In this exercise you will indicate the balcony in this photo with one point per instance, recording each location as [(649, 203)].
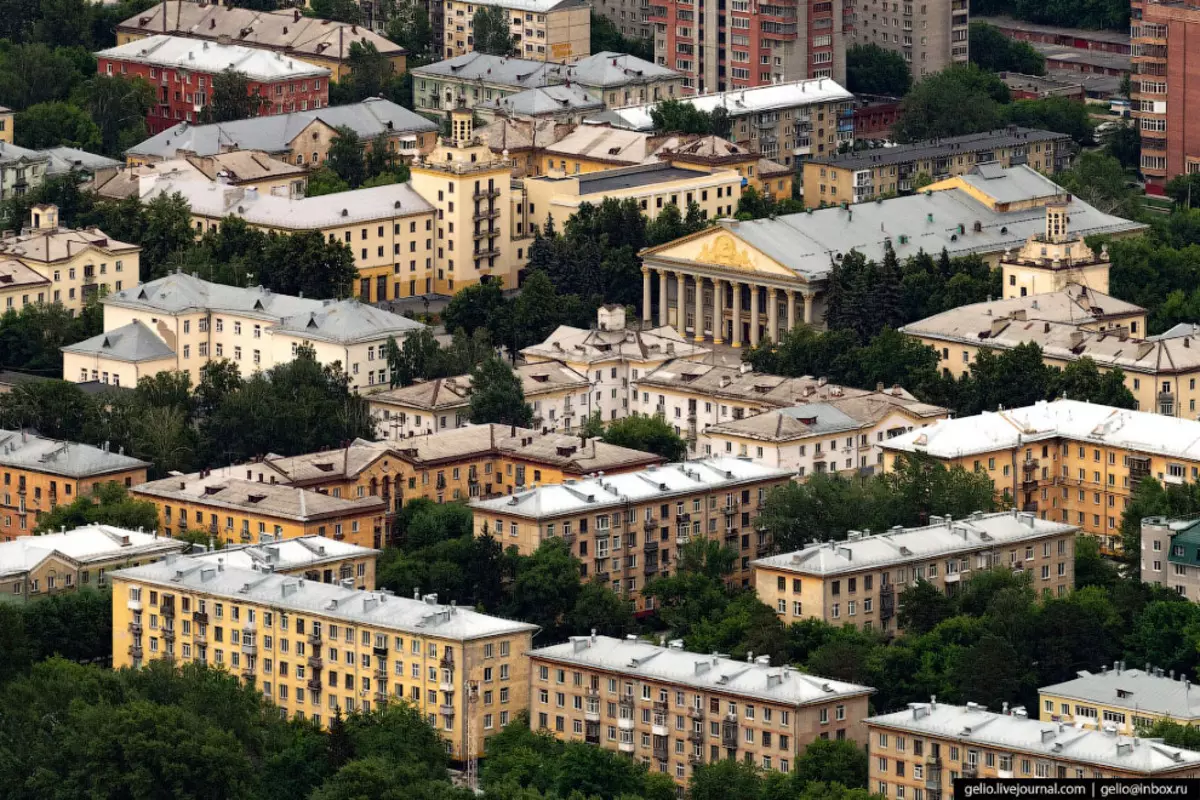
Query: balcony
[(731, 508), (135, 650), (314, 683), (695, 758), (625, 747), (168, 634), (200, 635), (200, 617), (650, 569), (487, 213), (249, 648), (315, 661), (491, 252), (486, 233), (650, 524), (446, 710), (696, 713), (696, 736), (135, 628), (380, 651), (314, 639), (486, 194), (381, 670), (446, 686), (682, 538), (650, 545)]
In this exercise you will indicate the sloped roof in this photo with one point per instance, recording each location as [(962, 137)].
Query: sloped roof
[(131, 343), (606, 69), (88, 544), (268, 499), (568, 344), (284, 555), (11, 153), (498, 70), (612, 144), (14, 274), (212, 57), (1135, 689), (346, 322), (455, 391), (179, 292), (65, 159), (274, 134), (544, 101), (27, 450), (54, 244)]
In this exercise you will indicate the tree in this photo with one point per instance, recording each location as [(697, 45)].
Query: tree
[(833, 761), (477, 306), (546, 586), (307, 264), (872, 70), (1082, 380), (497, 395), (56, 124), (410, 28), (958, 100), (1184, 190), (1058, 114), (607, 39), (31, 339), (34, 73), (346, 11), (923, 607), (601, 609), (166, 230), (324, 181), (231, 98), (1100, 180), (649, 434), (347, 157), (680, 116), (491, 30), (110, 505), (1111, 14), (992, 50), (725, 779), (118, 107)]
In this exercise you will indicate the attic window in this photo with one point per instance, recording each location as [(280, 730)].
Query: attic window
[(211, 490), (762, 388), (324, 467), (1124, 693), (541, 377), (256, 498), (258, 306)]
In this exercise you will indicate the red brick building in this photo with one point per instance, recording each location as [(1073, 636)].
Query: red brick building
[(181, 72), (726, 45), (1166, 88)]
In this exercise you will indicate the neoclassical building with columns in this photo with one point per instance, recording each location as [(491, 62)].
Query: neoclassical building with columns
[(739, 282)]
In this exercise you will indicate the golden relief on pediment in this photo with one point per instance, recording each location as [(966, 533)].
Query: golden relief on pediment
[(723, 250)]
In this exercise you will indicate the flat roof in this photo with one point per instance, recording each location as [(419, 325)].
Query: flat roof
[(1074, 55), (1012, 136), (630, 178), (672, 664), (1115, 37), (417, 617)]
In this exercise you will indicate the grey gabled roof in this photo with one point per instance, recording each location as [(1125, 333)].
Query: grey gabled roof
[(273, 134), (346, 322), (27, 450), (498, 70), (1145, 690), (65, 159), (545, 101), (133, 342), (179, 291), (607, 68)]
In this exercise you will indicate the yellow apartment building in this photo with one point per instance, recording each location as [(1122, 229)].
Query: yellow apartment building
[(235, 510), (389, 229), (558, 395), (596, 148), (6, 124), (674, 710), (624, 528), (803, 424), (54, 563), (542, 30), (74, 265), (1066, 460), (322, 42), (926, 746), (860, 581), (248, 169), (314, 558), (868, 174), (39, 473), (1127, 700), (712, 153), (316, 649), (20, 286)]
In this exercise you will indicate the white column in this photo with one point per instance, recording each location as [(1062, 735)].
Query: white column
[(791, 310), (718, 311), (773, 314), (681, 305), (662, 298), (736, 290), (699, 309), (646, 295), (808, 308), (753, 315)]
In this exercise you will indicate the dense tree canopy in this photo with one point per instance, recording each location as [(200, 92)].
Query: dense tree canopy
[(679, 116), (957, 100), (491, 32), (872, 70), (992, 50), (1111, 14), (606, 38)]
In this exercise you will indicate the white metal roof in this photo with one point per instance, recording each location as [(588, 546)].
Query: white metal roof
[(91, 543)]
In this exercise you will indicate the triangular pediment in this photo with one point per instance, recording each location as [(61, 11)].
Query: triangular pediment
[(722, 249)]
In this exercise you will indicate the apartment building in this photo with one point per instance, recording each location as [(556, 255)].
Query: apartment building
[(21, 170), (777, 421), (1065, 460), (54, 563), (180, 323), (72, 265), (738, 46), (318, 649), (861, 581), (389, 229), (475, 79), (1128, 700), (712, 154), (247, 169), (598, 148), (762, 266), (613, 357), (35, 469), (602, 518), (926, 746), (314, 558), (930, 36), (558, 394), (542, 30), (1171, 555), (889, 171), (301, 137), (786, 122), (632, 17), (1164, 37), (236, 510), (321, 42), (674, 710), (6, 124), (182, 72), (567, 105)]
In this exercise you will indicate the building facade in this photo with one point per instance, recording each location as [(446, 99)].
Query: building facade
[(541, 30), (925, 747), (673, 710), (1165, 37), (314, 558), (182, 72), (248, 169), (54, 563), (1171, 555), (317, 649), (1066, 460), (1128, 700), (21, 169), (885, 172), (180, 323), (930, 36), (624, 528), (39, 473), (861, 581)]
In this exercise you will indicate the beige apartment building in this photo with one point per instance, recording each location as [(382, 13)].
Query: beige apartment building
[(316, 649), (613, 357), (314, 558), (1066, 460), (74, 265), (180, 323), (888, 171), (1115, 697), (53, 563), (248, 169), (861, 581), (624, 528), (542, 30), (792, 423), (926, 746), (558, 395), (674, 710), (389, 229), (1171, 555), (930, 36)]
